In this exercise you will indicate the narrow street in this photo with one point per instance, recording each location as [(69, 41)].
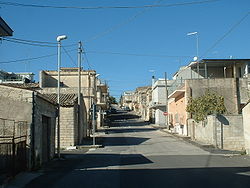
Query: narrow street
[(137, 155)]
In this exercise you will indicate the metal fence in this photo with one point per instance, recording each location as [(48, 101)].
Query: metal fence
[(13, 136)]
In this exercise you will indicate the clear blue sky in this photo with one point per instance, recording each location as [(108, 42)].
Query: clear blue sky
[(155, 31)]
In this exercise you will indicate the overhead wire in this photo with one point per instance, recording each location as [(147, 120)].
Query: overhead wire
[(87, 60), (33, 43), (119, 25), (70, 57), (32, 58), (226, 34), (135, 54), (104, 7)]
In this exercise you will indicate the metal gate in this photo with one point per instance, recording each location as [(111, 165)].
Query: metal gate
[(13, 137)]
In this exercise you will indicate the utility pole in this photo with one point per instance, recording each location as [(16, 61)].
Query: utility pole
[(79, 89), (166, 86), (93, 121)]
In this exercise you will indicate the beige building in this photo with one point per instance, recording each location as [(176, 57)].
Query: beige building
[(226, 77), (140, 105), (69, 85), (127, 99), (102, 102), (39, 113)]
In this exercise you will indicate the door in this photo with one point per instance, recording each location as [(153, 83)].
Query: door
[(46, 137)]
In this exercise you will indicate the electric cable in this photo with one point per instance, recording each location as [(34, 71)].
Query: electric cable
[(32, 58), (72, 60), (226, 34), (104, 7)]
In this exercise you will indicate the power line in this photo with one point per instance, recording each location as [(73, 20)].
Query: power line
[(87, 60), (227, 33), (133, 54), (72, 60), (32, 58), (104, 7), (119, 25), (33, 43)]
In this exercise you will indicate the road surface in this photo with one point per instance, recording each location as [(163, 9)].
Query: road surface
[(137, 155)]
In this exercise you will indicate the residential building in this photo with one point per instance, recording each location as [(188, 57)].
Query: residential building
[(139, 101), (159, 101), (127, 99), (69, 85), (16, 78), (39, 113), (225, 77), (70, 133), (102, 95)]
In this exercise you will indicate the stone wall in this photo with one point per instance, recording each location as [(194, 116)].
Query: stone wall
[(225, 132), (44, 108), (68, 127), (18, 104)]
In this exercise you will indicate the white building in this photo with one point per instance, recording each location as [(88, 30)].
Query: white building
[(158, 103)]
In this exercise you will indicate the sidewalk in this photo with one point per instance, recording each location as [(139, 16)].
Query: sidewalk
[(69, 158), (207, 147)]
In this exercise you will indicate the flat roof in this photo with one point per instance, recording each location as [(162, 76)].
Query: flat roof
[(5, 30), (215, 62)]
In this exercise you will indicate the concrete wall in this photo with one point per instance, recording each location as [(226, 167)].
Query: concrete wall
[(67, 79), (18, 105), (224, 132), (160, 119), (246, 125), (44, 108), (222, 86)]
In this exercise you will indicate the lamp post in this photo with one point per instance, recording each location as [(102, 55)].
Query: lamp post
[(59, 39), (197, 49)]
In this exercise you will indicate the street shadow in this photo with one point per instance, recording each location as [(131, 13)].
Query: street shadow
[(88, 175), (107, 160), (223, 119), (182, 177), (126, 123), (123, 141), (122, 116), (130, 130)]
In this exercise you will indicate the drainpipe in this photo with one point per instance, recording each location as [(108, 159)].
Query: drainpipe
[(32, 145)]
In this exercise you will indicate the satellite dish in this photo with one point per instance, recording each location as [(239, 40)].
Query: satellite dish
[(195, 58)]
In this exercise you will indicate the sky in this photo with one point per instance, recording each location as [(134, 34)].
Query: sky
[(126, 46)]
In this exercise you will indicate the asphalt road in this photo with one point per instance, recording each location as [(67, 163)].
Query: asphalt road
[(137, 155)]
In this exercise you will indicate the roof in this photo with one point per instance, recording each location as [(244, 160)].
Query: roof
[(31, 86), (66, 100), (216, 62), (142, 88), (5, 30)]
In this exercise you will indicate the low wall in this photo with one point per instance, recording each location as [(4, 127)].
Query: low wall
[(225, 132), (246, 123)]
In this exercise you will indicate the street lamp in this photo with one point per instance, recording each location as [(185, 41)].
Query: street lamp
[(59, 39), (197, 49)]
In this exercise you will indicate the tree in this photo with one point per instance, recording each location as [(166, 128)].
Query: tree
[(207, 104), (112, 100)]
